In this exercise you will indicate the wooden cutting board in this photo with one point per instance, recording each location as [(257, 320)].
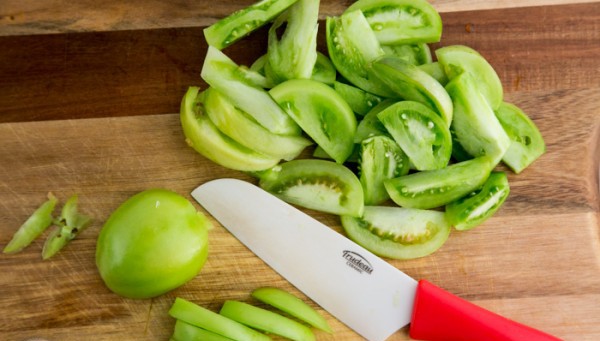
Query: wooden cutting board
[(95, 114)]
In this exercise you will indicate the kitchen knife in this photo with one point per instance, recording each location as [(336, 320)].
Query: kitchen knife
[(363, 291)]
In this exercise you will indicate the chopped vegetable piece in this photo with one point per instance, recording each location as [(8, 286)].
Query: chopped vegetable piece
[(416, 54), (324, 70), (35, 225), (184, 331), (436, 71), (266, 320), (359, 100), (370, 125), (68, 226)]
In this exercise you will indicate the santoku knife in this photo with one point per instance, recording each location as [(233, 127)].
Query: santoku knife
[(363, 291)]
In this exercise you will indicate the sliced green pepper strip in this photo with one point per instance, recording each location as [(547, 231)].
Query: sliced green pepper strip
[(266, 320), (242, 22), (184, 331), (70, 224), (35, 225), (476, 207)]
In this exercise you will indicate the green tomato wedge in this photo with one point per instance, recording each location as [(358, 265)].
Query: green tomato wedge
[(401, 21), (380, 159), (324, 70), (204, 137), (33, 227), (360, 101), (206, 319), (184, 331), (265, 320), (475, 125), (476, 207), (223, 74), (420, 132), (244, 130), (457, 59), (69, 225), (316, 184), (398, 232), (242, 22), (293, 54), (416, 54), (436, 71), (527, 143), (370, 125), (291, 305), (435, 188), (321, 113), (411, 83)]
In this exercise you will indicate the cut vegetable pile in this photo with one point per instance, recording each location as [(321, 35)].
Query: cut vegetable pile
[(405, 147)]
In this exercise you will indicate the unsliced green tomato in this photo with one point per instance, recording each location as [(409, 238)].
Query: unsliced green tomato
[(398, 232), (154, 242)]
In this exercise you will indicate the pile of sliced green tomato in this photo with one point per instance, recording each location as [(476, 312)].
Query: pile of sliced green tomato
[(242, 321), (405, 140)]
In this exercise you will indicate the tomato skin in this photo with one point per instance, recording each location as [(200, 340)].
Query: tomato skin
[(154, 242)]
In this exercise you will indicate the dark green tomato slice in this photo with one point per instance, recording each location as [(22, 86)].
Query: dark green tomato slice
[(184, 331), (475, 125), (527, 143), (223, 74), (316, 184), (398, 232), (33, 227), (242, 22), (457, 59), (321, 113), (401, 21), (351, 53), (435, 188), (420, 132), (370, 125), (380, 159), (436, 71), (244, 130), (416, 54), (359, 100), (265, 320), (411, 83), (476, 207), (205, 138)]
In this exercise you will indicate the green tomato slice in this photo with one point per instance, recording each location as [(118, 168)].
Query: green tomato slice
[(33, 227), (436, 71), (244, 21), (398, 232), (324, 70), (206, 319), (223, 74), (359, 100), (416, 54), (401, 21), (411, 83), (184, 331), (316, 184), (457, 59), (435, 188), (69, 225), (380, 159), (265, 320), (475, 125), (291, 305), (370, 125), (476, 207), (204, 137), (420, 132), (244, 130), (527, 143), (321, 113)]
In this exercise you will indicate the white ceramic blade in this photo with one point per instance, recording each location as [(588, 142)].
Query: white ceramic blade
[(360, 289)]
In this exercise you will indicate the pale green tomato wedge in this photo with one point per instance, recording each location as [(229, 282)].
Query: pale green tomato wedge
[(411, 83), (265, 320), (401, 21), (242, 22), (34, 226), (436, 71), (370, 125), (359, 100), (201, 317), (380, 159), (204, 137), (398, 232), (223, 74), (416, 54), (184, 331), (294, 54), (527, 143), (70, 224), (324, 70), (457, 59), (321, 113), (475, 125), (291, 305), (238, 126)]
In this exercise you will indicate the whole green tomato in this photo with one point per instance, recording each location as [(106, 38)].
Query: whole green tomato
[(154, 242)]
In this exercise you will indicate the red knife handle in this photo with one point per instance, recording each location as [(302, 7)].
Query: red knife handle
[(440, 316)]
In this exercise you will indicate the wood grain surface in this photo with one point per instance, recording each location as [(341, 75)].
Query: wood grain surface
[(89, 107)]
